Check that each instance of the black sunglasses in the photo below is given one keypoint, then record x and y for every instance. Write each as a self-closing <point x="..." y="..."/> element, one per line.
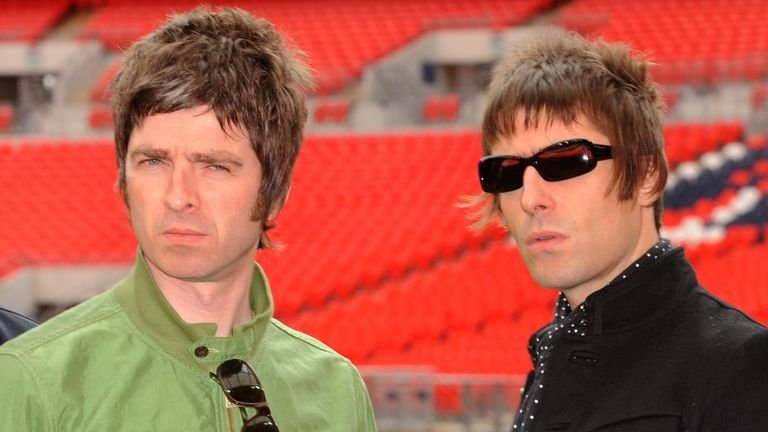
<point x="559" y="161"/>
<point x="242" y="387"/>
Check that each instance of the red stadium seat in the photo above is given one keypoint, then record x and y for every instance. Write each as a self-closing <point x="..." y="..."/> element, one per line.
<point x="29" y="21"/>
<point x="441" y="108"/>
<point x="332" y="111"/>
<point x="336" y="34"/>
<point x="372" y="229"/>
<point x="700" y="42"/>
<point x="7" y="114"/>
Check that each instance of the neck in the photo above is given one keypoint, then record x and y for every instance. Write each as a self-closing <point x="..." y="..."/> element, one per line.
<point x="225" y="303"/>
<point x="578" y="294"/>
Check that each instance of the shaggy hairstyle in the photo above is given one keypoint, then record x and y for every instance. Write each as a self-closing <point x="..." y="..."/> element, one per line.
<point x="555" y="75"/>
<point x="236" y="65"/>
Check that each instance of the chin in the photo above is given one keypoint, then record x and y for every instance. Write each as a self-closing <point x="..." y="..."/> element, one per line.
<point x="189" y="275"/>
<point x="183" y="268"/>
<point x="548" y="277"/>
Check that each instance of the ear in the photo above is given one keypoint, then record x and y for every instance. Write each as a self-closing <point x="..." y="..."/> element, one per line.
<point x="276" y="207"/>
<point x="647" y="194"/>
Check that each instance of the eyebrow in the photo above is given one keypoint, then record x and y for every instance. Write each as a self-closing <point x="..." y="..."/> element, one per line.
<point x="216" y="156"/>
<point x="149" y="152"/>
<point x="553" y="146"/>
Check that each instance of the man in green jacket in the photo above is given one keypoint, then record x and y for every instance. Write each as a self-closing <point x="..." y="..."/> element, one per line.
<point x="209" y="113"/>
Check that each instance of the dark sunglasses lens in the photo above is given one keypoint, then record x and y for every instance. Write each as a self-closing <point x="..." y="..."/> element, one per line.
<point x="260" y="423"/>
<point x="241" y="383"/>
<point x="565" y="162"/>
<point x="501" y="174"/>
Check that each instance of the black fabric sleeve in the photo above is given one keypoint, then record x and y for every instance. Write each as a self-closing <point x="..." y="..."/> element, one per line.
<point x="13" y="324"/>
<point x="738" y="397"/>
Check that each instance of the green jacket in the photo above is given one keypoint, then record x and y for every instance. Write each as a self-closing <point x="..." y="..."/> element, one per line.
<point x="125" y="361"/>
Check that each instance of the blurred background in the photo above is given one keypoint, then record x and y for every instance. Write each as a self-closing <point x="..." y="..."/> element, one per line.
<point x="379" y="261"/>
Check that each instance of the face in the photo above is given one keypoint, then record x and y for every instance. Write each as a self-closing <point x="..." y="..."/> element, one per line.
<point x="191" y="189"/>
<point x="574" y="234"/>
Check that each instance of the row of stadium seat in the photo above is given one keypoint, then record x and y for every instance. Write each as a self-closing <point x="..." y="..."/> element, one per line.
<point x="688" y="141"/>
<point x="705" y="41"/>
<point x="441" y="108"/>
<point x="29" y="21"/>
<point x="332" y="110"/>
<point x="484" y="284"/>
<point x="60" y="205"/>
<point x="336" y="34"/>
<point x="414" y="177"/>
<point x="336" y="110"/>
<point x="7" y="114"/>
<point x="372" y="229"/>
<point x="487" y="285"/>
<point x="713" y="174"/>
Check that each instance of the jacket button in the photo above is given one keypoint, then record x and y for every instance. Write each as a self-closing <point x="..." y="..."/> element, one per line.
<point x="201" y="351"/>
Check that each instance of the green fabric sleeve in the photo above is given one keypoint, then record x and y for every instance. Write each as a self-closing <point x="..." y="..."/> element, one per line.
<point x="25" y="406"/>
<point x="364" y="411"/>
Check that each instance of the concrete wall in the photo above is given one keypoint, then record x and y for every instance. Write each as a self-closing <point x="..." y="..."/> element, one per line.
<point x="58" y="285"/>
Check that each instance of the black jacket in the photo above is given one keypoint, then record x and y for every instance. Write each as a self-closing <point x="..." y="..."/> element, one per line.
<point x="13" y="324"/>
<point x="660" y="354"/>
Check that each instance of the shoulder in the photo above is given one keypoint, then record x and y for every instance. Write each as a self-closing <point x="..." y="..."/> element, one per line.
<point x="738" y="390"/>
<point x="721" y="324"/>
<point x="750" y="357"/>
<point x="65" y="329"/>
<point x="44" y="362"/>
<point x="291" y="350"/>
<point x="289" y="339"/>
<point x="308" y="365"/>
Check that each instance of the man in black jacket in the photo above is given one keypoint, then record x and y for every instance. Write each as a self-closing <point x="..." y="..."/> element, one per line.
<point x="575" y="169"/>
<point x="13" y="324"/>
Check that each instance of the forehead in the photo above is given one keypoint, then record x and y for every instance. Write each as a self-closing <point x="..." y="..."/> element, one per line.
<point x="187" y="128"/>
<point x="526" y="141"/>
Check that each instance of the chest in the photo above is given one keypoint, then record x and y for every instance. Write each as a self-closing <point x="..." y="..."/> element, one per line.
<point x="636" y="381"/>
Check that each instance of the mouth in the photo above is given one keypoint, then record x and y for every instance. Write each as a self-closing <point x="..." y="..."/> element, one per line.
<point x="544" y="240"/>
<point x="183" y="235"/>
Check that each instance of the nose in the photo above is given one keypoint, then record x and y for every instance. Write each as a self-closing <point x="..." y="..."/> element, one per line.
<point x="181" y="191"/>
<point x="534" y="195"/>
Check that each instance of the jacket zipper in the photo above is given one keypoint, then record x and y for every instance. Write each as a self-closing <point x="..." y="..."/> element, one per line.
<point x="230" y="420"/>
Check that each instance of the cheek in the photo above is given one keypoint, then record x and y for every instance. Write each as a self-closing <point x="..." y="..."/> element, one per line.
<point x="141" y="201"/>
<point x="235" y="204"/>
<point x="612" y="221"/>
<point x="511" y="213"/>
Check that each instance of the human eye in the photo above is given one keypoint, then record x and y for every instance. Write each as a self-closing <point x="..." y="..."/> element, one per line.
<point x="150" y="162"/>
<point x="218" y="167"/>
<point x="562" y="150"/>
<point x="510" y="162"/>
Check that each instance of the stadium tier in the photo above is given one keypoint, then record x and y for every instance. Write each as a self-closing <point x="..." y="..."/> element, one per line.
<point x="379" y="260"/>
<point x="28" y="21"/>
<point x="372" y="229"/>
<point x="692" y="41"/>
<point x="60" y="206"/>
<point x="688" y="141"/>
<point x="341" y="36"/>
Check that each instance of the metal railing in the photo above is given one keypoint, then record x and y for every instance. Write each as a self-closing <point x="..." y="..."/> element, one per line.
<point x="415" y="398"/>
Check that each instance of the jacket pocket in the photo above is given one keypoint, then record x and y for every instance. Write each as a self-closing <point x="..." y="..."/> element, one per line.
<point x="646" y="423"/>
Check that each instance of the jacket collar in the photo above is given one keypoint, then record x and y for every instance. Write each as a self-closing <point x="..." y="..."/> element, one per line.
<point x="154" y="317"/>
<point x="649" y="294"/>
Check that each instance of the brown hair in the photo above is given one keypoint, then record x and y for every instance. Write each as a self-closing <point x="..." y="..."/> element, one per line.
<point x="558" y="75"/>
<point x="236" y="65"/>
